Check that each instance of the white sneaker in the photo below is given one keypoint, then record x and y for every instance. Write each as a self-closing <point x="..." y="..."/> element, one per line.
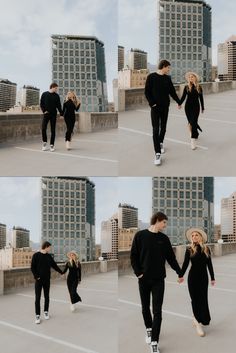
<point x="46" y="315"/>
<point x="68" y="147"/>
<point x="193" y="144"/>
<point x="37" y="320"/>
<point x="162" y="148"/>
<point x="200" y="331"/>
<point x="157" y="160"/>
<point x="148" y="337"/>
<point x="52" y="148"/>
<point x="72" y="307"/>
<point x="154" y="347"/>
<point x="44" y="146"/>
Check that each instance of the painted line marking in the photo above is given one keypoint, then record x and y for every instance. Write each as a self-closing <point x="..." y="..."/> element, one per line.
<point x="69" y="155"/>
<point x="48" y="338"/>
<point x="87" y="289"/>
<point x="96" y="141"/>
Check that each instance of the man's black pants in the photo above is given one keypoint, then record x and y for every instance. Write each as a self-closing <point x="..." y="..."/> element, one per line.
<point x="159" y="116"/>
<point x="46" y="118"/>
<point x="39" y="285"/>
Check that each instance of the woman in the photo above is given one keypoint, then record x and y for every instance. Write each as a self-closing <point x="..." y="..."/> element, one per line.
<point x="73" y="278"/>
<point x="70" y="106"/>
<point x="193" y="92"/>
<point x="200" y="256"/>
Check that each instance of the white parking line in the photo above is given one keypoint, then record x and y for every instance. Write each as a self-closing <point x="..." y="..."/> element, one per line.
<point x="67" y="302"/>
<point x="96" y="141"/>
<point x="46" y="337"/>
<point x="167" y="138"/>
<point x="68" y="155"/>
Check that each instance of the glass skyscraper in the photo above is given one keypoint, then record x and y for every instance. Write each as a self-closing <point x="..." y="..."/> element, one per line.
<point x="187" y="201"/>
<point x="78" y="64"/>
<point x="185" y="37"/>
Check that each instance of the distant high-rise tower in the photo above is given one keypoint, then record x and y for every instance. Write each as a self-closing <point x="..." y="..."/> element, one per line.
<point x="137" y="59"/>
<point x="20" y="237"/>
<point x="228" y="218"/>
<point x="185" y="37"/>
<point x="28" y="96"/>
<point x="121" y="57"/>
<point x="68" y="216"/>
<point x="227" y="60"/>
<point x="7" y="95"/>
<point x="188" y="202"/>
<point x="78" y="64"/>
<point x="127" y="216"/>
<point x="109" y="238"/>
<point x="3" y="235"/>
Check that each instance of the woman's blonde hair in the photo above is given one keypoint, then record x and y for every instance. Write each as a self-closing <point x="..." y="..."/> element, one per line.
<point x="76" y="261"/>
<point x="71" y="95"/>
<point x="204" y="247"/>
<point x="190" y="85"/>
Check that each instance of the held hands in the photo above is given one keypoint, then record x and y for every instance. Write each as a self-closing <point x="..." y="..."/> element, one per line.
<point x="213" y="283"/>
<point x="179" y="107"/>
<point x="180" y="280"/>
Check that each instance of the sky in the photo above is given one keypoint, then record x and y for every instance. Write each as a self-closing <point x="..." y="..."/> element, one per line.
<point x="20" y="202"/>
<point x="26" y="27"/>
<point x="138" y="25"/>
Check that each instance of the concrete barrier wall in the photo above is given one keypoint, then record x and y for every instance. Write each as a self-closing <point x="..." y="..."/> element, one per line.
<point x="216" y="250"/>
<point x="27" y="125"/>
<point x="17" y="278"/>
<point x="134" y="98"/>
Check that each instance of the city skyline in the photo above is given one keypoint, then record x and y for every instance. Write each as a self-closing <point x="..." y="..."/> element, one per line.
<point x="29" y="38"/>
<point x="146" y="39"/>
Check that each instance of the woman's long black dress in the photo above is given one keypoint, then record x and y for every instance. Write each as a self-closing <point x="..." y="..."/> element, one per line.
<point x="198" y="283"/>
<point x="73" y="279"/>
<point x="68" y="112"/>
<point x="192" y="107"/>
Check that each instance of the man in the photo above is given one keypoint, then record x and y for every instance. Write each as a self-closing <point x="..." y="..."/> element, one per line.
<point x="158" y="88"/>
<point x="41" y="265"/>
<point x="150" y="250"/>
<point x="50" y="103"/>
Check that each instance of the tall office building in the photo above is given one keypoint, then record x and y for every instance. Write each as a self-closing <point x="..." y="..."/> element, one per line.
<point x="126" y="236"/>
<point x="3" y="235"/>
<point x="20" y="237"/>
<point x="78" y="64"/>
<point x="7" y="95"/>
<point x="185" y="37"/>
<point x="121" y="57"/>
<point x="127" y="216"/>
<point x="228" y="218"/>
<point x="28" y="96"/>
<point x="188" y="202"/>
<point x="227" y="59"/>
<point x="68" y="216"/>
<point x="137" y="59"/>
<point x="132" y="78"/>
<point x="109" y="238"/>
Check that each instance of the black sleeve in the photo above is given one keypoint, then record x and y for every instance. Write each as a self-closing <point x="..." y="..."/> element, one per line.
<point x="171" y="259"/>
<point x="148" y="91"/>
<point x="173" y="92"/>
<point x="210" y="266"/>
<point x="182" y="99"/>
<point x="59" y="105"/>
<point x="201" y="99"/>
<point x="64" y="108"/>
<point x="65" y="269"/>
<point x="186" y="262"/>
<point x="77" y="108"/>
<point x="54" y="266"/>
<point x="134" y="256"/>
<point x="34" y="267"/>
<point x="42" y="103"/>
<point x="79" y="272"/>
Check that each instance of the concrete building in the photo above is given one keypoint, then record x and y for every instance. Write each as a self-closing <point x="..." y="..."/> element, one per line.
<point x="132" y="78"/>
<point x="98" y="251"/>
<point x="227" y="60"/>
<point x="214" y="73"/>
<point x="137" y="59"/>
<point x="78" y="64"/>
<point x="126" y="236"/>
<point x="228" y="218"/>
<point x="7" y="95"/>
<point x="185" y="37"/>
<point x="28" y="96"/>
<point x="127" y="216"/>
<point x="68" y="216"/>
<point x="11" y="258"/>
<point x="20" y="237"/>
<point x="121" y="57"/>
<point x="188" y="202"/>
<point x="217" y="232"/>
<point x="3" y="235"/>
<point x="109" y="238"/>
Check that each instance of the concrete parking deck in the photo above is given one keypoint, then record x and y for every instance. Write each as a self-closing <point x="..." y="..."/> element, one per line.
<point x="91" y="329"/>
<point x="217" y="144"/>
<point x="91" y="154"/>
<point x="178" y="334"/>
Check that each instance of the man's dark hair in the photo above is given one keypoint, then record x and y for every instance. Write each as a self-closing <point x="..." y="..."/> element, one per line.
<point x="46" y="245"/>
<point x="53" y="85"/>
<point x="159" y="216"/>
<point x="163" y="63"/>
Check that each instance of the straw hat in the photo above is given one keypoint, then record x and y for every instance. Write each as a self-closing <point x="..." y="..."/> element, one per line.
<point x="192" y="73"/>
<point x="72" y="252"/>
<point x="199" y="230"/>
